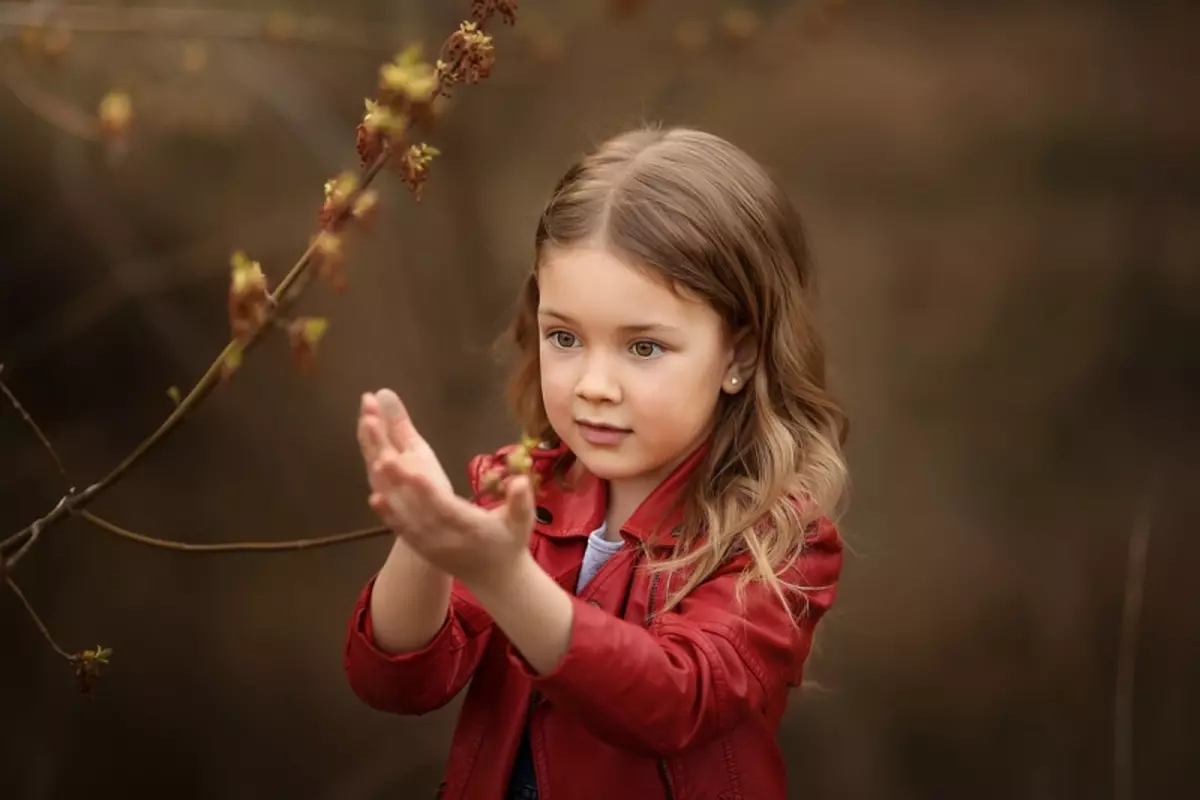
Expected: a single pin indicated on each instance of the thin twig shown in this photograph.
(208, 23)
(1135, 581)
(37, 431)
(234, 547)
(284, 294)
(37, 620)
(280, 301)
(35, 530)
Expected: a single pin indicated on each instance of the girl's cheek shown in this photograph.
(555, 389)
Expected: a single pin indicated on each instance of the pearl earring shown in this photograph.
(733, 381)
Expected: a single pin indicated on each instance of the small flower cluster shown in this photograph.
(467, 57)
(250, 307)
(88, 667)
(409, 87)
(518, 461)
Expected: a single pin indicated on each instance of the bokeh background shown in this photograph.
(1002, 200)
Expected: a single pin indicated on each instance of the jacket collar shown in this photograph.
(577, 506)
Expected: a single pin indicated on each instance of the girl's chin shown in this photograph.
(611, 465)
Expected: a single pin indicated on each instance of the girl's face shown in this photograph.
(631, 371)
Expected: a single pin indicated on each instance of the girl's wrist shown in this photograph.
(502, 581)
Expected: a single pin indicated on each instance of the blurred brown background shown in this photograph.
(1001, 197)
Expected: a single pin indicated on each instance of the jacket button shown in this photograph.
(543, 515)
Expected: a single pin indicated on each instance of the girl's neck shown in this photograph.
(626, 494)
(624, 497)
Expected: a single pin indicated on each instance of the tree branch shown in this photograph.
(37, 620)
(37, 431)
(410, 88)
(281, 298)
(234, 547)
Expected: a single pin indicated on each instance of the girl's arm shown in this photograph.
(415, 636)
(697, 672)
(409, 600)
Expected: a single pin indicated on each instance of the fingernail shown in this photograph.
(389, 402)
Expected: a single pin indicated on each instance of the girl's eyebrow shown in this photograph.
(645, 327)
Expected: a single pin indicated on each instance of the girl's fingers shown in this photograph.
(408, 494)
(370, 437)
(379, 504)
(369, 404)
(400, 431)
(518, 503)
(430, 505)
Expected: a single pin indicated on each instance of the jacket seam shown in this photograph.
(730, 635)
(735, 783)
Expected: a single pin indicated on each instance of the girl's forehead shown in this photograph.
(590, 282)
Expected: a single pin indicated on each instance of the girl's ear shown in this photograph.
(742, 360)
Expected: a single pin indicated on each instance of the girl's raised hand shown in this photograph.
(413, 496)
(384, 426)
(386, 429)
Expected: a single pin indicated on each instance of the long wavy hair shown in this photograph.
(701, 214)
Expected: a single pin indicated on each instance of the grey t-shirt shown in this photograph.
(599, 550)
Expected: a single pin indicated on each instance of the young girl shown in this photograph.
(631, 620)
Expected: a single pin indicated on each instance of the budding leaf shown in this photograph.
(414, 167)
(88, 667)
(327, 246)
(249, 300)
(304, 334)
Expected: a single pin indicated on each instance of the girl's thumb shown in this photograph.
(518, 497)
(399, 424)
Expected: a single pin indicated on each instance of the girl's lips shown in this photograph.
(600, 434)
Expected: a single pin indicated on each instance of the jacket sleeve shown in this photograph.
(699, 670)
(424, 680)
(418, 681)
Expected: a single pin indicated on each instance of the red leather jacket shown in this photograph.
(682, 705)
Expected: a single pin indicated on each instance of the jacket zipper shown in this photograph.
(663, 771)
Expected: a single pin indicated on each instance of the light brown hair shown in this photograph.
(702, 215)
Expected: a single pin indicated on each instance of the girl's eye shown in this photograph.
(644, 349)
(562, 339)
